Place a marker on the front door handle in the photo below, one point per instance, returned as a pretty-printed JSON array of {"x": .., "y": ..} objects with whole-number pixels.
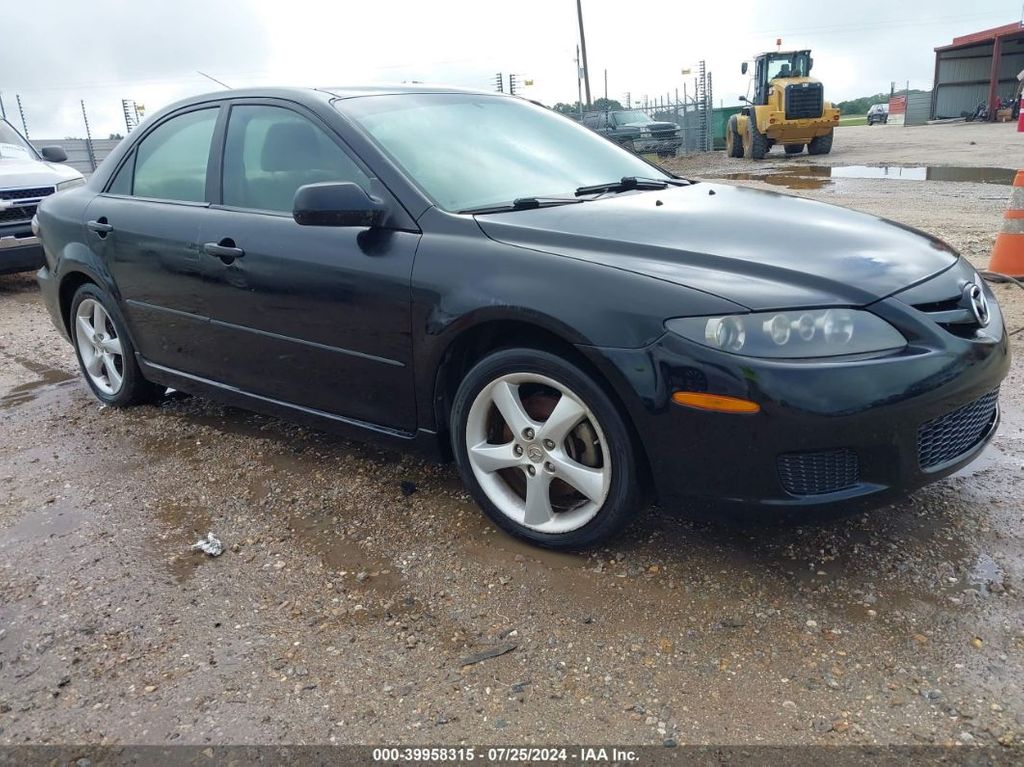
[
  {"x": 225, "y": 250},
  {"x": 100, "y": 226}
]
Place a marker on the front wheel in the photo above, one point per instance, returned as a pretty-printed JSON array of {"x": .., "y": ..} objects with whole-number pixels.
[
  {"x": 821, "y": 144},
  {"x": 105, "y": 352},
  {"x": 733, "y": 141},
  {"x": 543, "y": 450},
  {"x": 755, "y": 143}
]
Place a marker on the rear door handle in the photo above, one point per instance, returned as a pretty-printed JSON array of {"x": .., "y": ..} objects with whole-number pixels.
[
  {"x": 101, "y": 226},
  {"x": 225, "y": 250}
]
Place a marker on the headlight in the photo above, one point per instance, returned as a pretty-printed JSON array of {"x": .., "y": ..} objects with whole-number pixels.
[
  {"x": 792, "y": 335},
  {"x": 71, "y": 183}
]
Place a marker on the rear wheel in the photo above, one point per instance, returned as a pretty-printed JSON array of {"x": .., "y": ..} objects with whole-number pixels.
[
  {"x": 821, "y": 144},
  {"x": 794, "y": 148},
  {"x": 543, "y": 449},
  {"x": 105, "y": 352},
  {"x": 755, "y": 143},
  {"x": 733, "y": 141}
]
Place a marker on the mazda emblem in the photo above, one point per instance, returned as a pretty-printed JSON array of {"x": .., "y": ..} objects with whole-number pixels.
[{"x": 974, "y": 297}]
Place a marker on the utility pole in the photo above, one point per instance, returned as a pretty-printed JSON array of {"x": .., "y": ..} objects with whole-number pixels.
[
  {"x": 606, "y": 85},
  {"x": 583, "y": 46},
  {"x": 512, "y": 84},
  {"x": 579, "y": 82},
  {"x": 21, "y": 111},
  {"x": 499, "y": 82}
]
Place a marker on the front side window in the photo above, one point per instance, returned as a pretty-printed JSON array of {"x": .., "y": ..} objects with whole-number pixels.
[
  {"x": 472, "y": 150},
  {"x": 272, "y": 151},
  {"x": 171, "y": 160}
]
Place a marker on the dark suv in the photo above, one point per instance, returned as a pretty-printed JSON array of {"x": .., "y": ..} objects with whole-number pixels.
[
  {"x": 635, "y": 130},
  {"x": 879, "y": 113}
]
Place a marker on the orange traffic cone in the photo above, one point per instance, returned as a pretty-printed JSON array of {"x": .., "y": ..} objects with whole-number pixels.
[{"x": 1008, "y": 253}]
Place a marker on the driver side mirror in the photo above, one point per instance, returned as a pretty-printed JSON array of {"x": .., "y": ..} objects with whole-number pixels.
[
  {"x": 54, "y": 154},
  {"x": 743, "y": 68},
  {"x": 335, "y": 203},
  {"x": 743, "y": 98}
]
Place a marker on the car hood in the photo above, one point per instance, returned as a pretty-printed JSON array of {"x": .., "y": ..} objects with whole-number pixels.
[
  {"x": 28, "y": 172},
  {"x": 760, "y": 249}
]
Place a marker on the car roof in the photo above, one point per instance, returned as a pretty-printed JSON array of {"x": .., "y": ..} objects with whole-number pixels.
[{"x": 333, "y": 92}]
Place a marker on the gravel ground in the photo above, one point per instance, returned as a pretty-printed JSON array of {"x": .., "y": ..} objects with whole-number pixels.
[{"x": 345, "y": 610}]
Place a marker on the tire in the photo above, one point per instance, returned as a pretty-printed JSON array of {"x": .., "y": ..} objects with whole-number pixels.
[
  {"x": 793, "y": 148},
  {"x": 107, "y": 357},
  {"x": 513, "y": 462},
  {"x": 733, "y": 140},
  {"x": 756, "y": 146},
  {"x": 821, "y": 144}
]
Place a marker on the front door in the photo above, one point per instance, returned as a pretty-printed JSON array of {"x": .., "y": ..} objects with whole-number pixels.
[{"x": 312, "y": 316}]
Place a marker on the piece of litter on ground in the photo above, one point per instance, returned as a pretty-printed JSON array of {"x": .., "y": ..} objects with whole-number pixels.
[
  {"x": 209, "y": 545},
  {"x": 491, "y": 652}
]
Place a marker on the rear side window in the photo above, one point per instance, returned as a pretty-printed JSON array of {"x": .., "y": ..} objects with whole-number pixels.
[
  {"x": 171, "y": 161},
  {"x": 271, "y": 151}
]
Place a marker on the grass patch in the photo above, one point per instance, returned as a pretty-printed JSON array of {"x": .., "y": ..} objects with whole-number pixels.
[{"x": 853, "y": 120}]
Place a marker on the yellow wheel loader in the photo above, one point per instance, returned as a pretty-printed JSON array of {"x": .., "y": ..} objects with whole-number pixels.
[{"x": 788, "y": 108}]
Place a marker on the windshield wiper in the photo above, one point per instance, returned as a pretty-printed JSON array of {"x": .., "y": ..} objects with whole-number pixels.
[
  {"x": 628, "y": 183},
  {"x": 522, "y": 203}
]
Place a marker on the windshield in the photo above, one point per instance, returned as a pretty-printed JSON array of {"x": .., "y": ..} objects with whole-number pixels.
[
  {"x": 469, "y": 151},
  {"x": 11, "y": 139},
  {"x": 632, "y": 116},
  {"x": 789, "y": 65}
]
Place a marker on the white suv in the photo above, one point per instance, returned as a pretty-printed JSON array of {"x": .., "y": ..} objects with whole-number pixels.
[{"x": 26, "y": 177}]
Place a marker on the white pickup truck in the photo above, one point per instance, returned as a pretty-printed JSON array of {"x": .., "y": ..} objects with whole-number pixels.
[{"x": 26, "y": 177}]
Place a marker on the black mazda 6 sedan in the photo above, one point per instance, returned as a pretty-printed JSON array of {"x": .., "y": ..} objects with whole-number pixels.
[{"x": 480, "y": 277}]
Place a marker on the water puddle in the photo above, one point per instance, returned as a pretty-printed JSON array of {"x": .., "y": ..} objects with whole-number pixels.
[
  {"x": 28, "y": 392},
  {"x": 820, "y": 176}
]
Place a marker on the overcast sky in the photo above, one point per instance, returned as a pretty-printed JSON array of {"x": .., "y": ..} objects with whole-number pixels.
[{"x": 56, "y": 52}]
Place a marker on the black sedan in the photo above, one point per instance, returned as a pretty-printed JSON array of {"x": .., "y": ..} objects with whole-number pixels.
[{"x": 479, "y": 277}]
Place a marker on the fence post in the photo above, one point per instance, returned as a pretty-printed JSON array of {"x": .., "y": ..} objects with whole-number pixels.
[
  {"x": 88, "y": 138},
  {"x": 21, "y": 111}
]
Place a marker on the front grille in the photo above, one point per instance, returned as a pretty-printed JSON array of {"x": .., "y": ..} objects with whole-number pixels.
[
  {"x": 951, "y": 314},
  {"x": 818, "y": 472},
  {"x": 804, "y": 100},
  {"x": 949, "y": 436},
  {"x": 26, "y": 194},
  {"x": 17, "y": 215}
]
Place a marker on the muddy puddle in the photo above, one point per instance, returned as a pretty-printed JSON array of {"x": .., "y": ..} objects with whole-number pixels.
[
  {"x": 31, "y": 390},
  {"x": 820, "y": 176}
]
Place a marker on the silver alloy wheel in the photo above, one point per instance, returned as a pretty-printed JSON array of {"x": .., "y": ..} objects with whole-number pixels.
[
  {"x": 542, "y": 449},
  {"x": 99, "y": 346}
]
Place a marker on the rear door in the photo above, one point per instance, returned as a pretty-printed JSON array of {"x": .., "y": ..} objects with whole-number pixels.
[
  {"x": 312, "y": 316},
  {"x": 145, "y": 227}
]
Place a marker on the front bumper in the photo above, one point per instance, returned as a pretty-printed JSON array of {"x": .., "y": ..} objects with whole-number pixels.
[
  {"x": 792, "y": 131},
  {"x": 20, "y": 250},
  {"x": 871, "y": 411}
]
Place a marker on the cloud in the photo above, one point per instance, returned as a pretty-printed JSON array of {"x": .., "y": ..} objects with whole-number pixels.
[{"x": 105, "y": 50}]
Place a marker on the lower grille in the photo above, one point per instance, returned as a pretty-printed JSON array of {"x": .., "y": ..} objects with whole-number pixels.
[
  {"x": 804, "y": 100},
  {"x": 18, "y": 214},
  {"x": 819, "y": 472},
  {"x": 949, "y": 436}
]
